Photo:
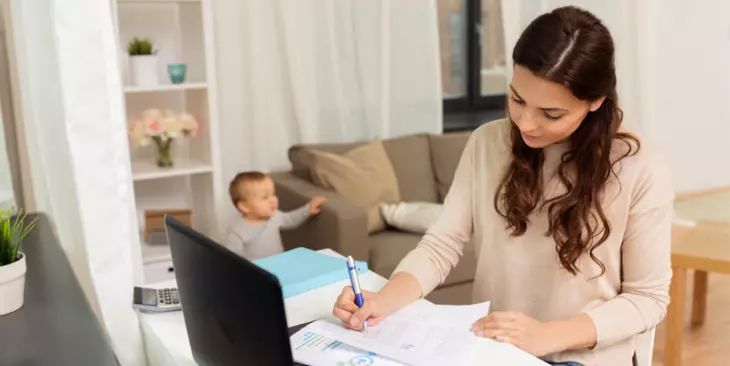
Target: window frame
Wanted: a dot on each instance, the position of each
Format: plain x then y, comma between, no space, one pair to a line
473,100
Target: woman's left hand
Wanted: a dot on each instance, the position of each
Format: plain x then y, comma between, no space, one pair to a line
520,330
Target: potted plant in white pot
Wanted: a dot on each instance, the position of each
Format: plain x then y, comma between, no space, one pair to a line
12,262
143,62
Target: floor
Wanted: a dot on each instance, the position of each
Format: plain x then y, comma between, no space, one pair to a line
709,344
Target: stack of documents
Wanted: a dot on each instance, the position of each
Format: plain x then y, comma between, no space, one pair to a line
420,334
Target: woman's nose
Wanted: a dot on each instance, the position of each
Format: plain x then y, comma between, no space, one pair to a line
527,122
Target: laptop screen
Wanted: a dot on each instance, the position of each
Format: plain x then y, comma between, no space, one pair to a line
233,310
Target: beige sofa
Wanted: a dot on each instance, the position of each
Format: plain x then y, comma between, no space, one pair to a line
424,166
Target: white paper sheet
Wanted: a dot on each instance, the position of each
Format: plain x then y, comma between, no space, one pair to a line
409,343
312,348
420,334
452,316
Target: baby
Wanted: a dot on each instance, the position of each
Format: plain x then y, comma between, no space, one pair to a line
256,235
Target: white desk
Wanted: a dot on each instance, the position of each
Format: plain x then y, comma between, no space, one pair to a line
166,338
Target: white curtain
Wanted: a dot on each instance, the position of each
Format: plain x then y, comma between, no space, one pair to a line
71,106
672,76
7,197
322,71
7,132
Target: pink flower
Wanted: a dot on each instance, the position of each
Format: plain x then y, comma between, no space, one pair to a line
166,125
154,125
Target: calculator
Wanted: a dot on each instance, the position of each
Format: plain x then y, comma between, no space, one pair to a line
156,300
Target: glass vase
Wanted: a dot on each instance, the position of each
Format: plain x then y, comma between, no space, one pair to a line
164,153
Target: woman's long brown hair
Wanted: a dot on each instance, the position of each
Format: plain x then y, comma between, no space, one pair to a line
573,48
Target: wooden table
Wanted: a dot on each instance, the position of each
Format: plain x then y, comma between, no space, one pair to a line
703,248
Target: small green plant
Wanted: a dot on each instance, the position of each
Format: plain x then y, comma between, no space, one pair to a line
140,47
12,232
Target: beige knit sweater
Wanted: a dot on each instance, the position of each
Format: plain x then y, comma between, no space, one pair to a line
524,274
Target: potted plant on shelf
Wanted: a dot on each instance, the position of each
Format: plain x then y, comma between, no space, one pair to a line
12,262
162,128
143,62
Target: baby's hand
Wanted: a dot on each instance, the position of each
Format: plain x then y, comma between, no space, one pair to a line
315,204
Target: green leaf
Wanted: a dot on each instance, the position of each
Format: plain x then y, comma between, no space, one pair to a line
140,47
12,233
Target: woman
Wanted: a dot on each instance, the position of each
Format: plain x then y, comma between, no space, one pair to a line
570,217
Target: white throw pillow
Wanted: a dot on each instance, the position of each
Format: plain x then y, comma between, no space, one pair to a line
415,217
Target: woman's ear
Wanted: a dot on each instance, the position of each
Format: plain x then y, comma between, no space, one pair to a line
597,103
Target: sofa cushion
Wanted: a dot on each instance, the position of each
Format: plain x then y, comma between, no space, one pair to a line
413,217
373,158
300,156
387,249
446,152
410,156
363,175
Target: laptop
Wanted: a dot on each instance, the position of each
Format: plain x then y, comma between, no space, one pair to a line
233,309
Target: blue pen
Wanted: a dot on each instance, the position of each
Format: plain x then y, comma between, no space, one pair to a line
355,281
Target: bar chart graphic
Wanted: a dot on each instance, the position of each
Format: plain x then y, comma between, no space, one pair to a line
314,340
336,352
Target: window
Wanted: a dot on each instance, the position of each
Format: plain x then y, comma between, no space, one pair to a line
471,40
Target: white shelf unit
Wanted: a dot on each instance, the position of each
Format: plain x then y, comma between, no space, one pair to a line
181,31
148,170
157,1
164,88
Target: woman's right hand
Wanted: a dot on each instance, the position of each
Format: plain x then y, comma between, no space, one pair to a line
353,317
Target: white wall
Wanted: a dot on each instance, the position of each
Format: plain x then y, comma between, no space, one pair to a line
691,74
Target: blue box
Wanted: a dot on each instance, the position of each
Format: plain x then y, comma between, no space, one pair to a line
300,270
